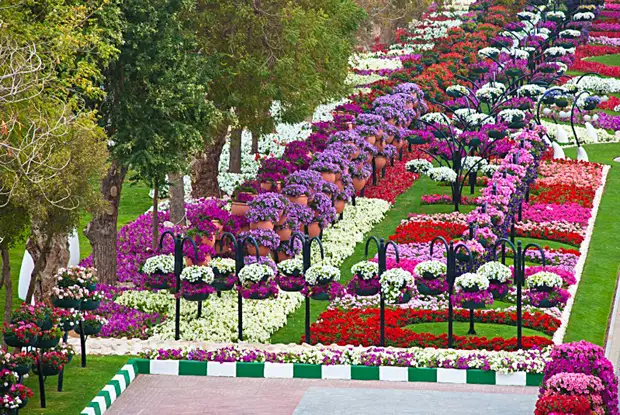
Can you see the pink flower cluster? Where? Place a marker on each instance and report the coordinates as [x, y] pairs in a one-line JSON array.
[[548, 212]]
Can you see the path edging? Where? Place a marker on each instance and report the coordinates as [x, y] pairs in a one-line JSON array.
[[119, 383]]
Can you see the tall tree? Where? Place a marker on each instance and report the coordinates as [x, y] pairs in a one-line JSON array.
[[51, 148], [155, 111], [295, 53]]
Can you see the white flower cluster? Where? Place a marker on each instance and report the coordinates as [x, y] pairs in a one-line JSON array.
[[73, 292], [364, 61], [159, 264], [596, 84], [197, 273], [393, 281], [419, 166], [436, 268], [224, 266], [291, 266], [488, 93], [530, 90], [495, 270], [471, 280], [366, 270], [442, 174], [435, 118], [581, 17], [474, 163], [458, 89], [570, 33], [511, 115], [558, 51], [255, 273], [544, 279], [322, 272], [219, 317], [518, 53], [488, 52], [602, 135]]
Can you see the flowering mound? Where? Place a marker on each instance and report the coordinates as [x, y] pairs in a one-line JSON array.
[[360, 327]]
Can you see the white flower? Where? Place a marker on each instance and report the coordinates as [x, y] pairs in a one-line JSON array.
[[224, 266], [511, 115], [458, 89], [419, 166], [366, 270], [596, 84], [473, 163], [161, 264], [393, 281], [442, 174], [197, 273], [436, 118], [556, 15], [558, 51], [571, 34], [530, 90], [544, 279], [488, 52], [432, 267], [583, 16], [322, 273], [255, 273], [471, 280], [488, 93], [495, 270], [291, 266]]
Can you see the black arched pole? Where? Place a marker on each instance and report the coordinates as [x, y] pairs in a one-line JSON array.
[[519, 276], [382, 247], [179, 241], [306, 252], [239, 246], [451, 271]]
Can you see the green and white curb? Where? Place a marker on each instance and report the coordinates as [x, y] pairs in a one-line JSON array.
[[267, 370]]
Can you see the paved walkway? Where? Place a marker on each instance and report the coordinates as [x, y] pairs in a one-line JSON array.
[[163, 395]]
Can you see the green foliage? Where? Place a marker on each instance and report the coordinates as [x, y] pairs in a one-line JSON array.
[[156, 110]]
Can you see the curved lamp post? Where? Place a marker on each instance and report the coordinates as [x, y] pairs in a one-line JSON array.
[[382, 247], [451, 271], [239, 246], [179, 242], [519, 276], [306, 249]]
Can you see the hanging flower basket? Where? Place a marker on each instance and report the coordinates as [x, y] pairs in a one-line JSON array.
[[473, 304], [380, 162], [47, 370], [514, 72], [499, 291], [516, 124], [561, 102], [314, 229], [49, 343], [429, 287], [22, 370], [224, 283], [89, 305], [496, 134], [365, 281], [89, 329], [239, 208], [548, 99], [20, 334], [323, 296]]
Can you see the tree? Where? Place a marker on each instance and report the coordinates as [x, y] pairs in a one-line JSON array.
[[386, 16], [295, 53], [51, 148], [155, 111]]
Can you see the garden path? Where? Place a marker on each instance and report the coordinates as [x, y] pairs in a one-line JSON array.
[[160, 394]]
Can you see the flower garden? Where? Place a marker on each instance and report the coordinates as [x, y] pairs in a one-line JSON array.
[[452, 152]]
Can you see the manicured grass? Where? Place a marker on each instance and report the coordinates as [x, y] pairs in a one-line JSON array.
[[135, 201], [609, 60], [594, 301], [80, 385], [482, 329], [405, 203]]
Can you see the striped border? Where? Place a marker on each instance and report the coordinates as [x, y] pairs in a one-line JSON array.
[[112, 390]]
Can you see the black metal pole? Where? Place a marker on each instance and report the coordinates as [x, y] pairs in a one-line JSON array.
[[83, 343], [307, 328], [519, 274], [65, 335], [471, 322], [199, 309], [240, 315], [178, 267], [472, 182], [41, 380], [382, 318], [374, 171]]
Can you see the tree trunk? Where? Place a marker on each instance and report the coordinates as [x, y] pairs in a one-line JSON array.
[[101, 231], [177, 198], [255, 136], [49, 252], [205, 168], [6, 281], [234, 162], [155, 244]]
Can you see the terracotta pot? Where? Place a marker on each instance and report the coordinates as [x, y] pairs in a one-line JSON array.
[[302, 200], [380, 146], [266, 186], [359, 184], [224, 249], [239, 208], [338, 176], [350, 125], [380, 162], [208, 240], [392, 121], [371, 139], [314, 229], [328, 176], [340, 184], [410, 105], [380, 133], [264, 224], [369, 158], [284, 234], [389, 139], [279, 185], [282, 219], [339, 205], [189, 262], [399, 144], [262, 250], [356, 154], [218, 225], [282, 256]]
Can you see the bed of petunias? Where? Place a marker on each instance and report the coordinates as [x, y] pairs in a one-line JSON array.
[[460, 126]]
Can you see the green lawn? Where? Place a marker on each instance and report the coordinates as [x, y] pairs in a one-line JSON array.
[[609, 60], [135, 201], [593, 304], [482, 329], [80, 385]]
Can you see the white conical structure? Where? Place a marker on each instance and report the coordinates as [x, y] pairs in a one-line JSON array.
[[582, 155], [74, 248], [558, 152], [561, 135], [591, 132], [24, 275]]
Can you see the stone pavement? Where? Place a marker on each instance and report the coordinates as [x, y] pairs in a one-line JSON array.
[[185, 395]]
